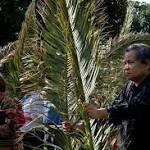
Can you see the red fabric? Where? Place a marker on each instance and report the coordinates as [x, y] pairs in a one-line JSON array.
[[20, 117], [14, 116], [114, 144], [15, 119]]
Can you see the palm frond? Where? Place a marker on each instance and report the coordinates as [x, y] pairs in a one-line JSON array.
[[125, 40], [73, 47], [127, 22], [126, 37]]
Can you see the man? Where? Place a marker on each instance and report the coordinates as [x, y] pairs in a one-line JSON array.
[[131, 109]]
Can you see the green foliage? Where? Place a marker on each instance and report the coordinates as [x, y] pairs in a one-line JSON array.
[[11, 16], [115, 11], [15, 55], [61, 55], [62, 51], [141, 20], [10, 27], [72, 52]]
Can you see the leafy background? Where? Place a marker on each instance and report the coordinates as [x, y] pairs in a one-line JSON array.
[[73, 50]]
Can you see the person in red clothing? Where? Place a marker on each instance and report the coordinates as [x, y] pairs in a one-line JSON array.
[[11, 119]]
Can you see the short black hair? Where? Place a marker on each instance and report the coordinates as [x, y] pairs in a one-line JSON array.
[[142, 51], [2, 84]]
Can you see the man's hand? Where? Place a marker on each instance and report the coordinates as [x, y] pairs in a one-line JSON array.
[[68, 127], [94, 112]]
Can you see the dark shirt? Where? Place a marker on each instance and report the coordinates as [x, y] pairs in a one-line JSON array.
[[131, 110]]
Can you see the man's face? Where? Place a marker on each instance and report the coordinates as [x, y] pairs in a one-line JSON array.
[[133, 68]]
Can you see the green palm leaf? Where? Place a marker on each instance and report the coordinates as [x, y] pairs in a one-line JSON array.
[[73, 50], [126, 37]]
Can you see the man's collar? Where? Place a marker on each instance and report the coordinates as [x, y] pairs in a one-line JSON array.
[[146, 81]]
